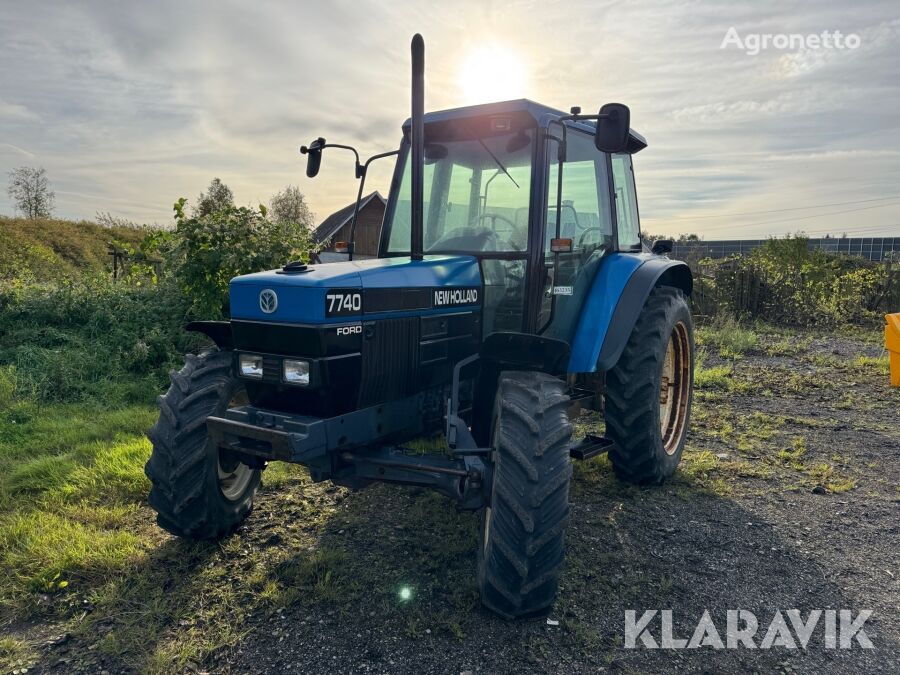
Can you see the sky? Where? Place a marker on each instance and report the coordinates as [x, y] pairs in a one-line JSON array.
[[129, 106]]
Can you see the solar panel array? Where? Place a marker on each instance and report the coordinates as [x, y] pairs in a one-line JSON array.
[[871, 248]]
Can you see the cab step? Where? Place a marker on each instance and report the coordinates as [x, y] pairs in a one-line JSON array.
[[591, 446]]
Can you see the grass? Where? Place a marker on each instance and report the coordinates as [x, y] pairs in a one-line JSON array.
[[732, 339], [15, 655], [75, 532], [54, 249]]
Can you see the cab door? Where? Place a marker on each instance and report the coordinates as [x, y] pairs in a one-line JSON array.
[[586, 218]]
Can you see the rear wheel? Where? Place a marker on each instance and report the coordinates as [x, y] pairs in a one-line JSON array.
[[649, 391], [198, 490], [521, 548]]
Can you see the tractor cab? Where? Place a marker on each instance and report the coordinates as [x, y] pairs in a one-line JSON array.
[[535, 202]]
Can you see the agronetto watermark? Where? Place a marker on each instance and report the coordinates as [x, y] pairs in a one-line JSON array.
[[790, 629], [755, 43]]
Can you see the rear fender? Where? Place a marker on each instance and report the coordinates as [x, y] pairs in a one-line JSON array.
[[614, 304]]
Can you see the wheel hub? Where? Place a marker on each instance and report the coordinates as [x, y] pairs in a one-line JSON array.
[[234, 475]]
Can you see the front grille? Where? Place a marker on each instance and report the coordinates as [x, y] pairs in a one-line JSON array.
[[390, 354], [271, 369]]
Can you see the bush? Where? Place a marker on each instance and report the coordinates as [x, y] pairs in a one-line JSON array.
[[90, 339], [786, 282], [204, 252]]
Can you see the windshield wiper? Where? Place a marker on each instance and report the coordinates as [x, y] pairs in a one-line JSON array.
[[497, 161]]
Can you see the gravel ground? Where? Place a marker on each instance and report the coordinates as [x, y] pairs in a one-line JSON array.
[[787, 499]]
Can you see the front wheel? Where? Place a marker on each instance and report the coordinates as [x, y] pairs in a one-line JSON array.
[[649, 391], [520, 553], [198, 490]]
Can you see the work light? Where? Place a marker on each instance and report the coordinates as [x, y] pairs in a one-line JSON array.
[[251, 366], [296, 372]]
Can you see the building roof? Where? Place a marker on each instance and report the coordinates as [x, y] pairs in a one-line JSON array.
[[338, 219]]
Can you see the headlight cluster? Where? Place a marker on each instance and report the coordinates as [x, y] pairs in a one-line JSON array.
[[293, 371], [251, 366]]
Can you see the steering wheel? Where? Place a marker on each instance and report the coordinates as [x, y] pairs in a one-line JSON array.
[[494, 217], [585, 233]]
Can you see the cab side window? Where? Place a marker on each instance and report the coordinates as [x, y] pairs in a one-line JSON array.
[[583, 213], [629, 227], [585, 219]]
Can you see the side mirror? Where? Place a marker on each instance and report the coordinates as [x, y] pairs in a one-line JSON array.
[[613, 125], [662, 246], [315, 156]]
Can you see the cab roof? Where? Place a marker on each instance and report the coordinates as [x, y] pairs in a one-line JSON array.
[[541, 114]]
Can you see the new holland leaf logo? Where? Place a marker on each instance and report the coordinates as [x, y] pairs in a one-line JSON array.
[[268, 301]]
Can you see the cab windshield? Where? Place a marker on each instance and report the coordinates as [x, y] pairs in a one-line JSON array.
[[476, 196]]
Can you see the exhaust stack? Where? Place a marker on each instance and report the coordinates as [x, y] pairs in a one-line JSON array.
[[417, 145]]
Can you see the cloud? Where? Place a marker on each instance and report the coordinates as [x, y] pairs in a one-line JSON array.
[[14, 111], [130, 106]]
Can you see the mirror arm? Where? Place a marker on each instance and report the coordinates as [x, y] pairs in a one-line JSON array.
[[361, 172], [358, 168], [579, 117]]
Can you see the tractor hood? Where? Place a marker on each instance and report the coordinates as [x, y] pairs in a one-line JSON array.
[[350, 291]]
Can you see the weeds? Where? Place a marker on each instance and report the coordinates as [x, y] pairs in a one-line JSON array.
[[89, 340], [731, 338]]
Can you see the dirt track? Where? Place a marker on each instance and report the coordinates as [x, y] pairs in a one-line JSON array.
[[788, 498]]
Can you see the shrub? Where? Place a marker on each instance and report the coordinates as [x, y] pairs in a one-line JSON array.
[[204, 252], [91, 338], [785, 282]]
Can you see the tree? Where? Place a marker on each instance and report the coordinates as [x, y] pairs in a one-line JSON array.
[[217, 197], [289, 206], [29, 188]]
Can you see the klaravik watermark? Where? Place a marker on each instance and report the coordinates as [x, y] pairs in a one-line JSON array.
[[840, 629], [754, 43]]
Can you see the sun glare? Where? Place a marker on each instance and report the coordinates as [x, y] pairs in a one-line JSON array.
[[492, 73]]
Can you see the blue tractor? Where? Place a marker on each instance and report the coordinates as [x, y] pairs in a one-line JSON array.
[[510, 291]]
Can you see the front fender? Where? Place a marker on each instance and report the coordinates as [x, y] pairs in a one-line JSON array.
[[217, 331], [614, 303]]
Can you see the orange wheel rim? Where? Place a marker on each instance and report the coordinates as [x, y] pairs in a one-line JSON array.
[[675, 388]]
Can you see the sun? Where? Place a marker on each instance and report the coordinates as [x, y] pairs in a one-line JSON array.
[[492, 73]]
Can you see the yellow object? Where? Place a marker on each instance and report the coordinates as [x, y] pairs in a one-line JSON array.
[[892, 344]]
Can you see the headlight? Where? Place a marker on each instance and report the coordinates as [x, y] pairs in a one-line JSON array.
[[296, 372], [251, 366]]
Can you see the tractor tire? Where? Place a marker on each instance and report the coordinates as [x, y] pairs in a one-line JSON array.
[[649, 391], [521, 547], [197, 490]]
